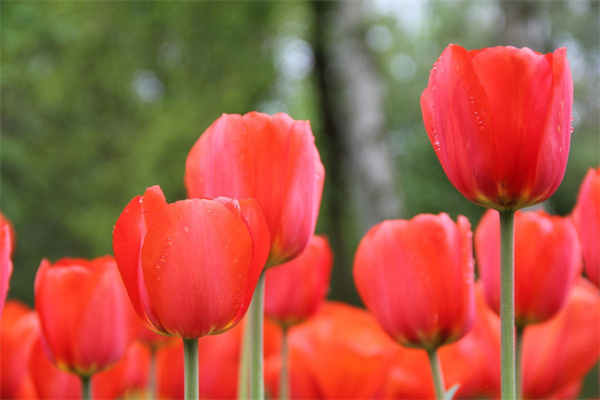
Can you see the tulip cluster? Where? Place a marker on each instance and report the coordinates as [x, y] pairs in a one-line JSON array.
[[165, 318]]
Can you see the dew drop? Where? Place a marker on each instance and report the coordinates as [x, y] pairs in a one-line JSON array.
[[186, 229], [157, 265], [236, 260], [458, 67], [560, 149], [140, 200], [158, 277], [559, 128]]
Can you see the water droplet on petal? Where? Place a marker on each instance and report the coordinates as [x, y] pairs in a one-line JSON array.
[[236, 260]]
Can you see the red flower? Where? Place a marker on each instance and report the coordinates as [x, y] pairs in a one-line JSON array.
[[272, 159], [19, 329], [499, 120], [295, 290], [7, 243], [49, 381], [547, 262], [416, 277], [86, 319], [559, 353], [341, 353], [586, 217], [190, 267]]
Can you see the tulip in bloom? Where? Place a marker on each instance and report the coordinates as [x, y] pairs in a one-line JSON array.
[[547, 263], [190, 267], [499, 120], [586, 217], [272, 159], [416, 277], [86, 319], [295, 290]]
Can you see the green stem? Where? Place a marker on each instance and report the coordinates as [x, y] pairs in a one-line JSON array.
[[244, 367], [152, 374], [436, 372], [190, 361], [86, 387], [257, 383], [284, 378], [507, 305], [519, 362]]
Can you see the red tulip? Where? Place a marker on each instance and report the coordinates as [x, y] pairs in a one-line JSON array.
[[86, 320], [586, 217], [18, 330], [559, 353], [547, 262], [7, 242], [499, 120], [190, 267], [341, 353], [416, 277], [272, 159], [295, 290]]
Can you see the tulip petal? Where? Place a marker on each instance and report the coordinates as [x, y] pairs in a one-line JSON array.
[[128, 238], [206, 234]]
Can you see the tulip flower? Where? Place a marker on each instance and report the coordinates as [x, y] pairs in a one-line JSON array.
[[559, 353], [7, 243], [86, 319], [341, 353], [272, 159], [190, 267], [19, 328], [547, 263], [416, 277], [499, 120], [586, 217]]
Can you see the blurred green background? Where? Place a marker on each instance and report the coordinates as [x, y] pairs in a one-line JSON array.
[[103, 99]]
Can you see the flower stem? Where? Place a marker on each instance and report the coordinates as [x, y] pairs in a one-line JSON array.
[[152, 374], [284, 378], [86, 387], [190, 361], [507, 305], [257, 384], [519, 362], [436, 372], [244, 367]]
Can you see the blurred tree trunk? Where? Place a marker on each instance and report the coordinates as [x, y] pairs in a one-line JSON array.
[[361, 169]]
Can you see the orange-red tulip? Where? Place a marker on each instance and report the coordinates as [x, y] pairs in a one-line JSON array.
[[586, 217], [18, 330], [416, 277], [295, 290], [340, 353], [499, 120], [190, 267], [7, 242], [86, 319], [272, 159], [559, 353], [547, 262]]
